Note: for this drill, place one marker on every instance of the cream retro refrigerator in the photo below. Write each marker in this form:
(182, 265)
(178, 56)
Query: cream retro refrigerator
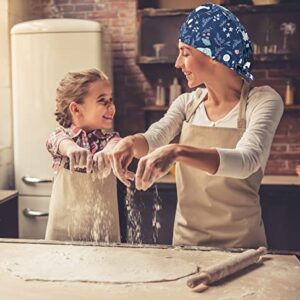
(42, 52)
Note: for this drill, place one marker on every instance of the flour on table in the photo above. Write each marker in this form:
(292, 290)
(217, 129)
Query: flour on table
(99, 265)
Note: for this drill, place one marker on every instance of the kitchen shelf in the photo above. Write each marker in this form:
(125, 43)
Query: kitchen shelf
(157, 26)
(237, 9)
(154, 24)
(278, 57)
(155, 108)
(143, 60)
(292, 107)
(258, 58)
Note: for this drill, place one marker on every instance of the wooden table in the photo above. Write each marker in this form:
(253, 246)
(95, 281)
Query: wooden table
(277, 278)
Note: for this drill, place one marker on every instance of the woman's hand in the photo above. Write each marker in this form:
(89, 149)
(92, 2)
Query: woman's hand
(154, 165)
(101, 164)
(120, 157)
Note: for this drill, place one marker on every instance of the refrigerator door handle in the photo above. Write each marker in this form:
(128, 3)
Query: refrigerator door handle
(28, 212)
(33, 180)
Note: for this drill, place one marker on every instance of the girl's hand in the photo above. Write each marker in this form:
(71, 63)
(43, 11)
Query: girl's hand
(154, 165)
(120, 157)
(79, 158)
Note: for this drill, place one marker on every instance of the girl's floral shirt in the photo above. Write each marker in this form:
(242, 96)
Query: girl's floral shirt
(94, 141)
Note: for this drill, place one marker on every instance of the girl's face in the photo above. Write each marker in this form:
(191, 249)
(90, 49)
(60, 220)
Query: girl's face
(196, 66)
(97, 110)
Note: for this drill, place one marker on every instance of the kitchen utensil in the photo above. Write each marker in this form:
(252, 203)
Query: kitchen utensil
(240, 261)
(158, 49)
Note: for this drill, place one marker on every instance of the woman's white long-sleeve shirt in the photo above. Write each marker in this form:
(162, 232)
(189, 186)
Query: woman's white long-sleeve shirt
(263, 113)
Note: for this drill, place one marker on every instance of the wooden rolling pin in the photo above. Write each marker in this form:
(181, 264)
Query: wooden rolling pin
(240, 261)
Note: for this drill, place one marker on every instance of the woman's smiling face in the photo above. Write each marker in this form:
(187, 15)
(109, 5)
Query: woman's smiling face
(196, 66)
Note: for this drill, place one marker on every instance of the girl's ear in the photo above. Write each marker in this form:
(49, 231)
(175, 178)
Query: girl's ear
(74, 108)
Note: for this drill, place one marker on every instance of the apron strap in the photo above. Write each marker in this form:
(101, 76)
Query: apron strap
(241, 122)
(198, 99)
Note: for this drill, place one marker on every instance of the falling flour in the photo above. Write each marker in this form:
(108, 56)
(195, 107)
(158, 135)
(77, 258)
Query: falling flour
(91, 217)
(157, 206)
(134, 217)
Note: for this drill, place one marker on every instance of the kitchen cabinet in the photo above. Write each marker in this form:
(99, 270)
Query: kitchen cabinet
(271, 42)
(274, 31)
(8, 214)
(280, 211)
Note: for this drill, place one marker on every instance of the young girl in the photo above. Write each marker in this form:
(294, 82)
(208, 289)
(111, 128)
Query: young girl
(83, 203)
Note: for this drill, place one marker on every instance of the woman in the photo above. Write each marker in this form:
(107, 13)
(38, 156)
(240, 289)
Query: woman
(226, 131)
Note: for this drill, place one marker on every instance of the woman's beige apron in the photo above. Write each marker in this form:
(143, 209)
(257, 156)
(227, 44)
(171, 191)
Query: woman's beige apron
(214, 210)
(83, 209)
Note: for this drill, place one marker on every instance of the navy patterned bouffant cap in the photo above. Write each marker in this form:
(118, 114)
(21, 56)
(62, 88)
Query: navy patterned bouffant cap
(218, 33)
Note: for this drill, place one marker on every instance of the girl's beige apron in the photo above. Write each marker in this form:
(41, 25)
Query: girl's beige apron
(214, 210)
(83, 209)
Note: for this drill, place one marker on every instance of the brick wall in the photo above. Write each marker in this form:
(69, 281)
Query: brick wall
(119, 18)
(132, 87)
(285, 151)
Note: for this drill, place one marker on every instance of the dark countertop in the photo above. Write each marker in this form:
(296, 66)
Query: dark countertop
(6, 195)
(267, 180)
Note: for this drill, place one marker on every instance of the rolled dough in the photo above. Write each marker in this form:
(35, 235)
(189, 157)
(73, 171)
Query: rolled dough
(100, 265)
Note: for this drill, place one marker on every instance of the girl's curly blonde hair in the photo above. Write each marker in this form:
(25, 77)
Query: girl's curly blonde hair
(73, 88)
